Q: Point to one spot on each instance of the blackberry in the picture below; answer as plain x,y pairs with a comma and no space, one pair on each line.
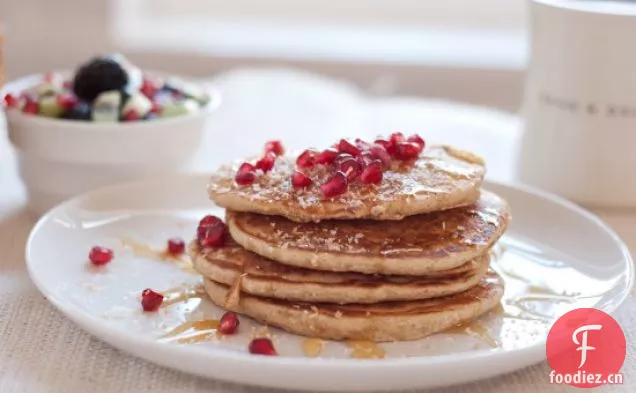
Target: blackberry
79,111
99,75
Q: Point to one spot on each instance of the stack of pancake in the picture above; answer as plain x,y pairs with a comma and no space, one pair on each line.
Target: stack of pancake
395,261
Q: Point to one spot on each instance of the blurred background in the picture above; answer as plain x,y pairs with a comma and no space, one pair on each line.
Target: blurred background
465,50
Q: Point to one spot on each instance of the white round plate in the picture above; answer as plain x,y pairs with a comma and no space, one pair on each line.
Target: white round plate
555,257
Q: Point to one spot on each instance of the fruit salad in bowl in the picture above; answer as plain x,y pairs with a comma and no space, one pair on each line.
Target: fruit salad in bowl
108,121
105,90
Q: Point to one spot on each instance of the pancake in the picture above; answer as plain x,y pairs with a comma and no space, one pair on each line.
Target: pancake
441,178
267,278
390,321
416,245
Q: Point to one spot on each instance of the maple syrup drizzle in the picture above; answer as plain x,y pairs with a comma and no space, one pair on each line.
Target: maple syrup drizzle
477,331
312,347
145,250
366,350
234,294
178,295
191,332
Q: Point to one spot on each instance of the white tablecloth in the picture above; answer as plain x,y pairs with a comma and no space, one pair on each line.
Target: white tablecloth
42,351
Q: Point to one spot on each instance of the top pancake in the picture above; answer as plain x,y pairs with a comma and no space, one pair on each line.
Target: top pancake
441,178
416,245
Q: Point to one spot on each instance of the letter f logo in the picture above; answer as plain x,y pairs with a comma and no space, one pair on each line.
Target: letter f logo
583,344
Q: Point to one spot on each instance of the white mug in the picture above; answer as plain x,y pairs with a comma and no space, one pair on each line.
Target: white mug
580,102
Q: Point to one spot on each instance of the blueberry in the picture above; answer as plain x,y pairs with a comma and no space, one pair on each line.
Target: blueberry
80,111
99,75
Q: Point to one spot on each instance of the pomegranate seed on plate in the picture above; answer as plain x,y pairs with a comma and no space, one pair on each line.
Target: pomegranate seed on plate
275,147
176,246
345,146
10,100
350,167
417,140
151,300
372,174
246,174
300,180
307,159
229,323
262,346
267,162
131,115
100,256
407,150
336,185
327,156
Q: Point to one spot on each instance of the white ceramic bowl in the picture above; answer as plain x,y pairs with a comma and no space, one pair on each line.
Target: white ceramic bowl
62,158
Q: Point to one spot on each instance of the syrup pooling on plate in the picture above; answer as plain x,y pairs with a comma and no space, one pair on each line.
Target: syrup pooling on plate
192,332
146,251
182,294
312,347
366,350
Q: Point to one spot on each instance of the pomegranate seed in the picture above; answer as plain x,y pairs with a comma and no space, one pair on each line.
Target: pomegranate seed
211,232
100,256
407,150
365,158
30,106
307,159
417,140
382,142
149,88
327,156
246,174
300,180
336,185
262,346
372,174
343,157
267,162
396,138
379,152
350,167
10,100
176,246
345,146
210,220
212,235
362,145
229,323
131,115
67,100
151,300
275,147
